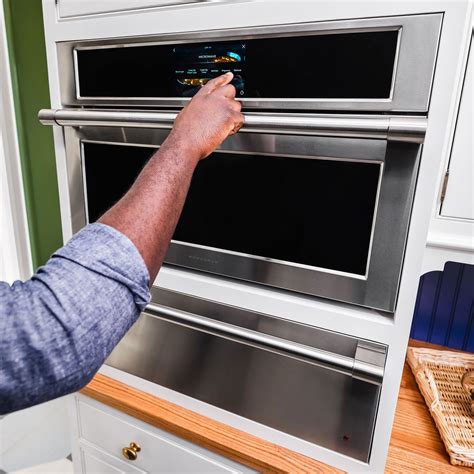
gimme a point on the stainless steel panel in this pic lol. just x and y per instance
(362, 367)
(414, 66)
(404, 129)
(378, 289)
(322, 406)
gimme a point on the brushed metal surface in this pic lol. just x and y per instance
(409, 129)
(360, 367)
(412, 78)
(314, 403)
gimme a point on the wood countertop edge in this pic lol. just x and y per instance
(224, 440)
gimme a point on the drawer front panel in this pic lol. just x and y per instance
(160, 452)
(96, 462)
(319, 403)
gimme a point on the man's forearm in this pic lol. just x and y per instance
(149, 212)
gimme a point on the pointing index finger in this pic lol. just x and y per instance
(217, 82)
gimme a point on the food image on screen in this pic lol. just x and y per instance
(195, 65)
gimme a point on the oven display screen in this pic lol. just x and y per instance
(195, 65)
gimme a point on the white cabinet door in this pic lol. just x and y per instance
(72, 8)
(459, 198)
(100, 433)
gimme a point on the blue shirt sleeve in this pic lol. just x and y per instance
(57, 328)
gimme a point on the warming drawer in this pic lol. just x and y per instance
(317, 385)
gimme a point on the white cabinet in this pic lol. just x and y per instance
(73, 8)
(459, 198)
(451, 234)
(100, 433)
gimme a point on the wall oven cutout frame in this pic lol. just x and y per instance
(377, 289)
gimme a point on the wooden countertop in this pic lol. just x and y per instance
(415, 444)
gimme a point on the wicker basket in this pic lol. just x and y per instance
(438, 375)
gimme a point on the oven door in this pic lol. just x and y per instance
(320, 215)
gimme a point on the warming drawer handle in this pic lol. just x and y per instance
(404, 129)
(357, 368)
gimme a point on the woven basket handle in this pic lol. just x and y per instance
(468, 385)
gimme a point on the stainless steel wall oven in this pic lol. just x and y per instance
(306, 201)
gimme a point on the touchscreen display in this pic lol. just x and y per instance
(351, 65)
(195, 65)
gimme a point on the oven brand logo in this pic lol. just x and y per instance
(203, 259)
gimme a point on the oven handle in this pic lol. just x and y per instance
(368, 364)
(404, 129)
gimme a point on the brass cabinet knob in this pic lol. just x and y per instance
(131, 452)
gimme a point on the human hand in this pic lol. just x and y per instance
(208, 119)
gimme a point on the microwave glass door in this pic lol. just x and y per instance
(303, 211)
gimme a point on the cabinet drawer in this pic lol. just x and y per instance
(98, 462)
(112, 431)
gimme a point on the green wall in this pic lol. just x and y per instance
(25, 34)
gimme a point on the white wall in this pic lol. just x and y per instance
(9, 265)
(15, 257)
(39, 434)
